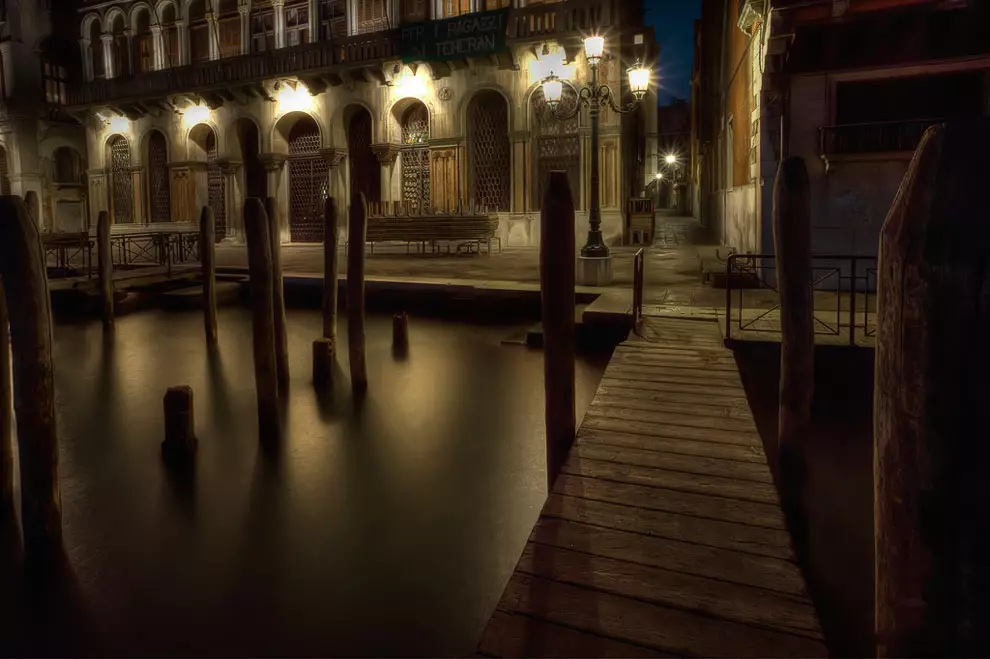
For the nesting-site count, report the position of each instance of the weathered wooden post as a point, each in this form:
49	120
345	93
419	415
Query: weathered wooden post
356	232
557	264
322	362
278	299
262	318
22	270
330	243
6	413
792	247
931	411
180	427
207	253
105	259
400	331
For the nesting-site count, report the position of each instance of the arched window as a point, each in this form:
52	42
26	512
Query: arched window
199	32
96	49
4	172
119	166
170	37
308	182
488	150
228	28
416	155
557	144
366	172
159	192
144	49
121	59
67	167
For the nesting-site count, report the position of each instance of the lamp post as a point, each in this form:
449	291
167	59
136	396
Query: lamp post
595	96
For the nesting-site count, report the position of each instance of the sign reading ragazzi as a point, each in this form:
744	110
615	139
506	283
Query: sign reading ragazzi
481	33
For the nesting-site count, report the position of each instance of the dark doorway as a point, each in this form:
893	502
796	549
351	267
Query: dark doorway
366	172
307	182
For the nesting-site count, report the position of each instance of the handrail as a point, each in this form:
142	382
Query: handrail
638	280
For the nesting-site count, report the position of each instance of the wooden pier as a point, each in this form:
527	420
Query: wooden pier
664	534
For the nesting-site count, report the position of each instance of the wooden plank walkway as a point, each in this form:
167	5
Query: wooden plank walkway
663	536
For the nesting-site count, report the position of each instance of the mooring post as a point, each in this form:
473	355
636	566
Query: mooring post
400	331
557	264
105	264
262	318
207	253
792	247
930	408
6	413
322	362
25	282
356	233
330	242
278	299
180	427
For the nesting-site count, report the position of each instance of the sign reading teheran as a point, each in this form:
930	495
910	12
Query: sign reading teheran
481	33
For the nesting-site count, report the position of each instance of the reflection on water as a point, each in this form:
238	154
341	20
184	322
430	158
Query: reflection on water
386	529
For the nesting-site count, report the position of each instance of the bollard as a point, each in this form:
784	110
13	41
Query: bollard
278	299
792	246
322	363
207	251
22	270
330	241
400	331
105	260
356	233
180	428
6	413
557	265
262	318
930	406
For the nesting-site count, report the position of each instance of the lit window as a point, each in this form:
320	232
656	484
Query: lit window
296	25
55	77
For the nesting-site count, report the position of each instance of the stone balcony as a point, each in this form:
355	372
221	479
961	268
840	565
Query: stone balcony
353	59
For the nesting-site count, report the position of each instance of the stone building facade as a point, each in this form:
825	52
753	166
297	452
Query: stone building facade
42	148
196	102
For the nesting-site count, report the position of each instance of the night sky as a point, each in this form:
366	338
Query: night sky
673	21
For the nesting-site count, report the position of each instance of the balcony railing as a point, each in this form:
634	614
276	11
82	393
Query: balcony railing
855	139
534	22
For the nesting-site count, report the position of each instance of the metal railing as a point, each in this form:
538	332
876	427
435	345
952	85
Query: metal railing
154	248
638	281
843	284
881	137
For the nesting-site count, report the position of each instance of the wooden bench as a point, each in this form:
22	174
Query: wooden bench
468	231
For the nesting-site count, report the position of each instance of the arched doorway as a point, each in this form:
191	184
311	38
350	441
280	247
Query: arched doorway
557	144
416	156
307	182
366	172
488	150
119	169
4	172
159	190
96	49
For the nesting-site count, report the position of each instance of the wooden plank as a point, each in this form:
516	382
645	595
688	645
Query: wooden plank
671	445
516	635
674	501
771	574
706	532
688	464
665	349
660	404
677	377
646	624
641	384
629	391
715	486
741	438
690	373
670	418
684	361
717	599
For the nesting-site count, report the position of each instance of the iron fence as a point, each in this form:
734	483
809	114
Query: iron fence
843	284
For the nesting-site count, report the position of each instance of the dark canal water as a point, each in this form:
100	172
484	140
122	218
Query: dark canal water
386	531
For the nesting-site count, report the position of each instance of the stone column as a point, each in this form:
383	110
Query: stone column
444	180
109	71
97	197
183	38
275	164
214	39
314	20
87	58
335	157
157	47
245	13
388	155
279	7
234	199
137	195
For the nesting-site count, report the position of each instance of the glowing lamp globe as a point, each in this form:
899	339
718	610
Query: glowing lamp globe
594	48
639	82
553	89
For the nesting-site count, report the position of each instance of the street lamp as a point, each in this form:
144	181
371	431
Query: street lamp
595	96
671	159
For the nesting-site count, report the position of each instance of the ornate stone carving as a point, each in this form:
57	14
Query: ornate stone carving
273	162
333	156
387	153
445	93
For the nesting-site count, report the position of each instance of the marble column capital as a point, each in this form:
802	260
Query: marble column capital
386	153
273	162
334	156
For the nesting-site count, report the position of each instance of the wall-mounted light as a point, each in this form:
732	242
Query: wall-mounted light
196	114
293	99
119	124
409	83
549	62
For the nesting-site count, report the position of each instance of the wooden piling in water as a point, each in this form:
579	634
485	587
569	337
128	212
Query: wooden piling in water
792	247
105	264
278	299
356	232
557	263
25	282
930	408
322	363
400	331
330	243
207	247
180	427
262	318
6	413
